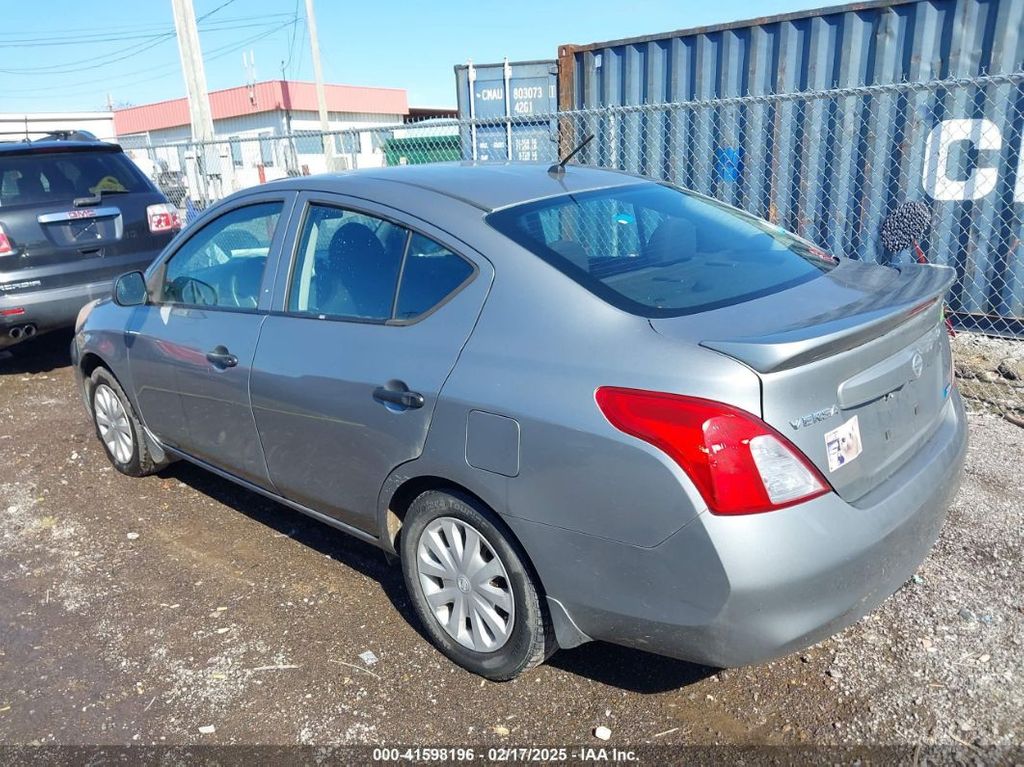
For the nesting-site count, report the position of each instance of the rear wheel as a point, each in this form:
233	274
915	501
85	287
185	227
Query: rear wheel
117	426
471	588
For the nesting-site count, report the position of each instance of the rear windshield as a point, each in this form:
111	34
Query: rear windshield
659	251
34	179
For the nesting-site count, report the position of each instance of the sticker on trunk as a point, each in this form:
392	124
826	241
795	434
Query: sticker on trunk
843	444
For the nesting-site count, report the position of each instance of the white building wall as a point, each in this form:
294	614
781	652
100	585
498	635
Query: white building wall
353	152
13	125
254	149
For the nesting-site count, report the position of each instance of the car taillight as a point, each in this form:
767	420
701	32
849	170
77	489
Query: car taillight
739	463
6	249
163	218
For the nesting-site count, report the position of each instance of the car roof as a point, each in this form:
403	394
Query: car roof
49	146
488	186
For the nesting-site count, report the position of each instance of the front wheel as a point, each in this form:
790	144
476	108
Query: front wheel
118	428
471	587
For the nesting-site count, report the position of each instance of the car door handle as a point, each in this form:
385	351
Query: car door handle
221	357
397	393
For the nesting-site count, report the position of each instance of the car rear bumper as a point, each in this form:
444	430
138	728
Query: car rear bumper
732	591
45	310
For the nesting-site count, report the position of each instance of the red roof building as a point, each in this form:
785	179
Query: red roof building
269	96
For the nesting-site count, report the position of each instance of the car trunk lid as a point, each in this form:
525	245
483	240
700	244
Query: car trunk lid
854	366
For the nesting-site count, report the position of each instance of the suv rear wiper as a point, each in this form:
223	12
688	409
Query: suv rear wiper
96	199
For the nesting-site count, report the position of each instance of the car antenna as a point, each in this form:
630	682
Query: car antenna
558	169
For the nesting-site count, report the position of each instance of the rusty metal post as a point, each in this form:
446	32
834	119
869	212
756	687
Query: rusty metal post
566	98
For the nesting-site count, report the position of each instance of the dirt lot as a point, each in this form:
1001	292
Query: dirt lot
991	372
139	611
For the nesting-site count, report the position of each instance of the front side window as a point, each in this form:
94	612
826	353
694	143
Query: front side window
658	251
348	265
222	264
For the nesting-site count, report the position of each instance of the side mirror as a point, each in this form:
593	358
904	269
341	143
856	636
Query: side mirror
130	289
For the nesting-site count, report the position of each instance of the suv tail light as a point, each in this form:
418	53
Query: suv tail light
739	463
163	218
6	248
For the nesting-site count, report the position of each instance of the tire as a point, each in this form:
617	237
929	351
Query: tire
527	639
131	459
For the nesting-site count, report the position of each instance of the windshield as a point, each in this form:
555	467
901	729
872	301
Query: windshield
37	178
659	251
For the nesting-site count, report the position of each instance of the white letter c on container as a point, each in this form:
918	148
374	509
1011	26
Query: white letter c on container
985	134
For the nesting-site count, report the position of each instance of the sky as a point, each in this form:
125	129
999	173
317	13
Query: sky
67	55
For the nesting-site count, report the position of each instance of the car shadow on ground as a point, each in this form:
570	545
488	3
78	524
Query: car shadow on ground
38	355
608	664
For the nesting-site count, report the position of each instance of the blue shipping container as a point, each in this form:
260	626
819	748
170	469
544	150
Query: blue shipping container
833	163
501	99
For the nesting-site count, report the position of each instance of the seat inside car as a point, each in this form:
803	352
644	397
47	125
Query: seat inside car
572	251
356	278
246	273
425	277
60	184
674	239
30	186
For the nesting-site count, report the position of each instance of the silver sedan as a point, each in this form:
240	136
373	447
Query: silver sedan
577	405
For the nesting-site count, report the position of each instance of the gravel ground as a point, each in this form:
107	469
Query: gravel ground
990	371
148	611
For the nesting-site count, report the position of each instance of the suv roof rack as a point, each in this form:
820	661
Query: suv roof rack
56	135
68	135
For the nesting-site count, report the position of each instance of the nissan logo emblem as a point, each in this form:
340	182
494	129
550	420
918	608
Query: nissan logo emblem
917	364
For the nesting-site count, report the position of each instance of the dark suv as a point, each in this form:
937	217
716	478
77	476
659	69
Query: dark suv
74	213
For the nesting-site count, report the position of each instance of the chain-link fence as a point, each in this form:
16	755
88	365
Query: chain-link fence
830	165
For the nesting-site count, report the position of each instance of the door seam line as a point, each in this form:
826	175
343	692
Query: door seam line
252	410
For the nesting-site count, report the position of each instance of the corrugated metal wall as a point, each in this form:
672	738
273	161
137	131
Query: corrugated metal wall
859	44
833	164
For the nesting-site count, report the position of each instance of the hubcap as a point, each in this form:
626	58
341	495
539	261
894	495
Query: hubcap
465	584
112	420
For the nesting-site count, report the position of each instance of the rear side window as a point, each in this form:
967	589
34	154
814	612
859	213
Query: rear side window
348	265
34	179
431	274
658	251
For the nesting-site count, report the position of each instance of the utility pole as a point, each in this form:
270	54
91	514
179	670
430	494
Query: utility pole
293	155
321	93
195	83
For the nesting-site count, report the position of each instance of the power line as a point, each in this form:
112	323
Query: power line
94	62
49	42
109	36
148	42
302	49
219	7
63	68
134	27
166	69
291	45
72	66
